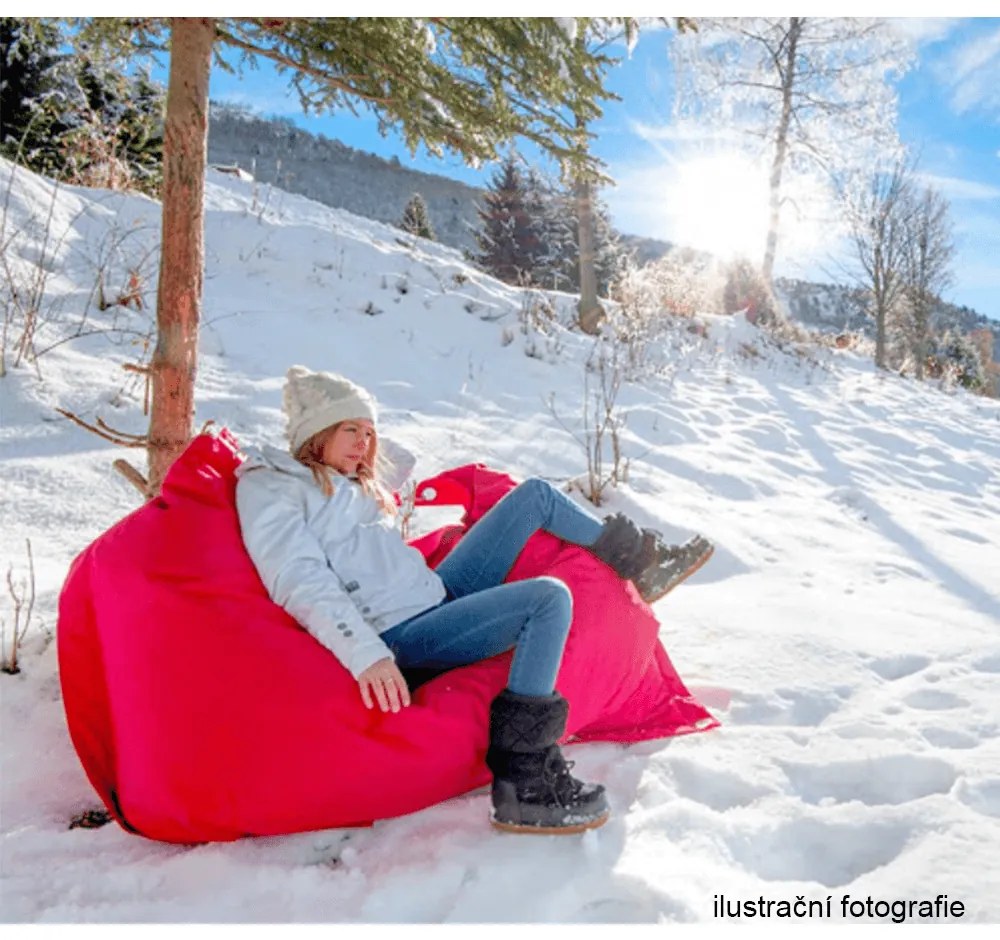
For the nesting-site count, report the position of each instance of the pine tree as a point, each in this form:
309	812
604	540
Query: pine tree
415	219
117	136
510	238
531	233
608	252
957	355
34	85
556	240
76	117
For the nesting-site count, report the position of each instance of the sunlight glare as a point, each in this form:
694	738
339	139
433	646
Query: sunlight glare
718	203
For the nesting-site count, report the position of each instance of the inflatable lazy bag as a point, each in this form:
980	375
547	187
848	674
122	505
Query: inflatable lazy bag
202	711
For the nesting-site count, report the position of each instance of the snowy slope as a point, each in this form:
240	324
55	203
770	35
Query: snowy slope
846	633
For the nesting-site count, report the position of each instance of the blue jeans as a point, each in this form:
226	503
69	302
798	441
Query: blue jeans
482	616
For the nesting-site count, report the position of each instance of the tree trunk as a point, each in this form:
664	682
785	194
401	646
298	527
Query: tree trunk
781	148
920	323
182	254
590	311
878	286
880	336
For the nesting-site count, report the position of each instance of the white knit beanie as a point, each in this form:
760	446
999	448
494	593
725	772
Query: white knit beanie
313	401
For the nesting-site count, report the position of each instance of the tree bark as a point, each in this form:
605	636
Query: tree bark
781	148
182	254
880	336
878	288
590	311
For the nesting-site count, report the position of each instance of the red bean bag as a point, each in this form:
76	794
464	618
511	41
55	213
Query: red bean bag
202	711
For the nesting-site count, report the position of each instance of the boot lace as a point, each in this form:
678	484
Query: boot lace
561	784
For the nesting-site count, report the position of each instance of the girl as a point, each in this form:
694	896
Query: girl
319	527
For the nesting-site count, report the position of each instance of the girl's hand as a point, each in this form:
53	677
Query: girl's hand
384	680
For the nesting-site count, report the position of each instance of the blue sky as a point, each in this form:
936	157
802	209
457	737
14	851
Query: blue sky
949	111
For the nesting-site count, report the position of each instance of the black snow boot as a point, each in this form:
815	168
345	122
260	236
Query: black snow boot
672	564
643	557
533	790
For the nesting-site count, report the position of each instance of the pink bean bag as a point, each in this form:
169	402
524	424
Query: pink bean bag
201	711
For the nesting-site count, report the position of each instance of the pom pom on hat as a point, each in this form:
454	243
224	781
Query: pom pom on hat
313	401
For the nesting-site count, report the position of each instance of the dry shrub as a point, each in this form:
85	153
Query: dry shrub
746	289
682	283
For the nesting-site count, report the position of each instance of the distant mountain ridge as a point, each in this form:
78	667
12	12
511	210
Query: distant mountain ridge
837	307
276	151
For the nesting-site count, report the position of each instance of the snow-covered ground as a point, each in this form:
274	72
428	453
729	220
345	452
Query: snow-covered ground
846	633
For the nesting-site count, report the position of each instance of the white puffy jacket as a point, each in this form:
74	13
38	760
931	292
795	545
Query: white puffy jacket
336	564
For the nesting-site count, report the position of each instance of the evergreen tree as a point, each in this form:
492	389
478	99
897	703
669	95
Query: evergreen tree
415	219
608	252
117	135
546	237
556	240
509	241
34	87
76	117
958	353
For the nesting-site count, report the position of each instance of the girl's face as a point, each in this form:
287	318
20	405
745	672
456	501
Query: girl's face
348	446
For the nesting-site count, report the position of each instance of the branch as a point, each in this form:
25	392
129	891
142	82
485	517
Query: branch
142	438
275	56
31	595
133	476
134	442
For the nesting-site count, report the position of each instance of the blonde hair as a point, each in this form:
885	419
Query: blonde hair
310	454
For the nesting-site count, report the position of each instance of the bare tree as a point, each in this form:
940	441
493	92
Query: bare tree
808	92
929	249
878	227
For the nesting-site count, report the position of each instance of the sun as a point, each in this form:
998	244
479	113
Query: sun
719	203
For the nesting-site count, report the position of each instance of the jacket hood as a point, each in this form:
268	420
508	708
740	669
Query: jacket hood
273	458
400	462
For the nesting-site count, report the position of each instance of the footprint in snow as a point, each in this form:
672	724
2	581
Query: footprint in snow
897	667
832	854
797	707
981	795
989	663
935	700
715	788
868	728
889	780
949	738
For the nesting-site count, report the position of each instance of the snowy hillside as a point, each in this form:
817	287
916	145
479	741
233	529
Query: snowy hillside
275	151
846	632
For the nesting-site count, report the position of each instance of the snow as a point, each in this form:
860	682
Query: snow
845	632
